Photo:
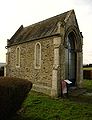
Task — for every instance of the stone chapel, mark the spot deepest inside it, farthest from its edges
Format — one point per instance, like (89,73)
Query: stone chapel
(46,53)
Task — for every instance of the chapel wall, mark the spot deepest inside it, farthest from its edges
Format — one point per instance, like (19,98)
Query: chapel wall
(40,77)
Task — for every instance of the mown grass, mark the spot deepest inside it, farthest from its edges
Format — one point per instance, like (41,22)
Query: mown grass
(38,106)
(87,84)
(87,68)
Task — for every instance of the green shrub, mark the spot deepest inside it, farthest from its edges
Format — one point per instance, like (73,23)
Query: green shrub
(13,91)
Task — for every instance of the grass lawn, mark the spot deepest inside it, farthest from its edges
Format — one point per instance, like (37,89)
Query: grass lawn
(38,106)
(87,68)
(87,84)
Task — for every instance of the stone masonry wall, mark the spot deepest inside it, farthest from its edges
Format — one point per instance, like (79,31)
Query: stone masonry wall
(40,77)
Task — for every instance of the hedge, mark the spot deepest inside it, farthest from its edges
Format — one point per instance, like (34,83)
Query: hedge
(87,74)
(13,92)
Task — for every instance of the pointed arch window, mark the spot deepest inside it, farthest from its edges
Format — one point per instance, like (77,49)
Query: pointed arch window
(18,57)
(37,55)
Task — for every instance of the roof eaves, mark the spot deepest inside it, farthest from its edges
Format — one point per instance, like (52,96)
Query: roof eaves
(29,40)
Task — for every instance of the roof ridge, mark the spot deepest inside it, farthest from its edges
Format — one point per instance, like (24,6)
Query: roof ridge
(45,20)
(44,28)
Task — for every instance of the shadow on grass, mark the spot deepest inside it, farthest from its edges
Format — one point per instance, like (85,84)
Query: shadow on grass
(81,99)
(80,95)
(19,117)
(55,117)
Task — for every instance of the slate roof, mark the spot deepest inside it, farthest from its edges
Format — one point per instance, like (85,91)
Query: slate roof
(38,30)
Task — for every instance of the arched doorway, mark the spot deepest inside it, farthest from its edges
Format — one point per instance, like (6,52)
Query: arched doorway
(70,69)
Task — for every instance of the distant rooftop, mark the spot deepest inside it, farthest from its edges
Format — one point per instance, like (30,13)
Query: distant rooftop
(2,64)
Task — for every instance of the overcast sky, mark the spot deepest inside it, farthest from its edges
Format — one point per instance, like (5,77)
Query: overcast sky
(14,13)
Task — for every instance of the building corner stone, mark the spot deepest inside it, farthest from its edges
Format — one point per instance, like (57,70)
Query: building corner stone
(56,68)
